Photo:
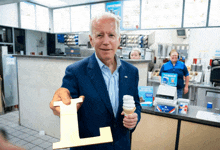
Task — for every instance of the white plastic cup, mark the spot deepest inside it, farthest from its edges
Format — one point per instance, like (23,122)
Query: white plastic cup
(41,133)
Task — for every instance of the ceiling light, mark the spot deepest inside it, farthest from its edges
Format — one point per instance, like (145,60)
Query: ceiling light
(50,3)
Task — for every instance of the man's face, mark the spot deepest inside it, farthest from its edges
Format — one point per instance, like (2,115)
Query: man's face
(174,56)
(104,39)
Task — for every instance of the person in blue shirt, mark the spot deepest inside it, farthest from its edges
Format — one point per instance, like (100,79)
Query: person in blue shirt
(177,67)
(103,79)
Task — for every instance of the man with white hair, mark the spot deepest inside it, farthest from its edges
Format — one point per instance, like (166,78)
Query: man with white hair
(103,79)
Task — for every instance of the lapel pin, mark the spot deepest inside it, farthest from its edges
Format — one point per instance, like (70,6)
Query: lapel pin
(126,76)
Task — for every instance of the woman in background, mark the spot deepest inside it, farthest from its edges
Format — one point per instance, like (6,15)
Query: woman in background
(135,53)
(177,67)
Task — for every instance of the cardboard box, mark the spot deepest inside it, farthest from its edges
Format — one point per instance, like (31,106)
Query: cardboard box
(146,95)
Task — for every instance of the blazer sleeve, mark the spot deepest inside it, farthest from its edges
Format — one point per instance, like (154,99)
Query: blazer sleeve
(70,82)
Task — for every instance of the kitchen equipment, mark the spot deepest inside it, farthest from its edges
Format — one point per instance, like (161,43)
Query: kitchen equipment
(155,74)
(166,99)
(194,60)
(215,71)
(10,78)
(134,40)
(205,95)
(148,54)
(207,76)
(193,67)
(169,48)
(72,51)
(164,51)
(159,52)
(167,94)
(195,76)
(199,67)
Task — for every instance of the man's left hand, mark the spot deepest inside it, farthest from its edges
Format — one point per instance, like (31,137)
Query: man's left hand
(186,90)
(130,121)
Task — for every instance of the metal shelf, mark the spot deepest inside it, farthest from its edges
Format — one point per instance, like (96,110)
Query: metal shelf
(6,43)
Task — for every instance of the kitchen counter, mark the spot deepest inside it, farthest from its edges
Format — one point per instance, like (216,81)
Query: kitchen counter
(190,116)
(158,130)
(73,58)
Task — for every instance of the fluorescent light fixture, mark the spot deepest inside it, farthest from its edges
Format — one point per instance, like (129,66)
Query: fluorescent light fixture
(50,3)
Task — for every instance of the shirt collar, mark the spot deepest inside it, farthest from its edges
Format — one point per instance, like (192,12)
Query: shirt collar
(172,63)
(101,64)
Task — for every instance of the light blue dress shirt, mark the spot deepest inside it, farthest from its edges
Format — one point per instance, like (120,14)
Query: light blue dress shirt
(112,82)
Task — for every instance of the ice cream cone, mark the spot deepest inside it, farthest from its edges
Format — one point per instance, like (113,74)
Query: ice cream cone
(129,111)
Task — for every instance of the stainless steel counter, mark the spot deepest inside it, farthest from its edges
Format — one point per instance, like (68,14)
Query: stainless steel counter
(199,94)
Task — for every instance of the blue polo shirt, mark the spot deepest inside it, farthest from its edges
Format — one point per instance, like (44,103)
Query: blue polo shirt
(179,69)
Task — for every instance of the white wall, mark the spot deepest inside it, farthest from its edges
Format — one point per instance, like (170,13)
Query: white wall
(32,38)
(203,43)
(9,15)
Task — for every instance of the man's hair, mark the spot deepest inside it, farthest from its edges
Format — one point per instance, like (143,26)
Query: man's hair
(106,15)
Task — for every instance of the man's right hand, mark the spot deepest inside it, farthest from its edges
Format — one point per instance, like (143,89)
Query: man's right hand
(62,94)
(5,145)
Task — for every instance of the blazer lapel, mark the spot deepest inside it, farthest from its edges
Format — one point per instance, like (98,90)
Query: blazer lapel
(123,85)
(97,79)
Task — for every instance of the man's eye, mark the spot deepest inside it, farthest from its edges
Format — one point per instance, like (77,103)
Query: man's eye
(99,35)
(111,35)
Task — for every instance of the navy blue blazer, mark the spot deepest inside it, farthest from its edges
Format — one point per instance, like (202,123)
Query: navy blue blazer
(85,78)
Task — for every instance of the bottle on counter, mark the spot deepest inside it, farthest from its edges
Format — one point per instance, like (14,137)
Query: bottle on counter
(207,76)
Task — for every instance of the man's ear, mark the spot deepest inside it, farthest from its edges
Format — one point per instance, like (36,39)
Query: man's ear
(90,39)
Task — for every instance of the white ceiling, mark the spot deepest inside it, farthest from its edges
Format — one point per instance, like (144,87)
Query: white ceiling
(54,3)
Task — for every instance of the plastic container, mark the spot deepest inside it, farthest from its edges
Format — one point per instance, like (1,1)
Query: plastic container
(209,105)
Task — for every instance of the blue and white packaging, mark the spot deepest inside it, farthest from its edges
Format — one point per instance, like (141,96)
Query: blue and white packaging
(146,95)
(183,108)
(169,79)
(165,108)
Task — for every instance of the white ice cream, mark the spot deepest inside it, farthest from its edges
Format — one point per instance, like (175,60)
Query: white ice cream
(128,102)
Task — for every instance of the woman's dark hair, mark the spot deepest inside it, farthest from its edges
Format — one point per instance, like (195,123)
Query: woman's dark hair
(129,55)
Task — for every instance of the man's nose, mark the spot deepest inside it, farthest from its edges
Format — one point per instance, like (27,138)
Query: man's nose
(106,40)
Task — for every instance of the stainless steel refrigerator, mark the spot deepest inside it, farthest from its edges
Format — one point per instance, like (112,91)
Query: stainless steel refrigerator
(10,79)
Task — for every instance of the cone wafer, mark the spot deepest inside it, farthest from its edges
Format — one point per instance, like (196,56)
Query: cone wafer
(129,111)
